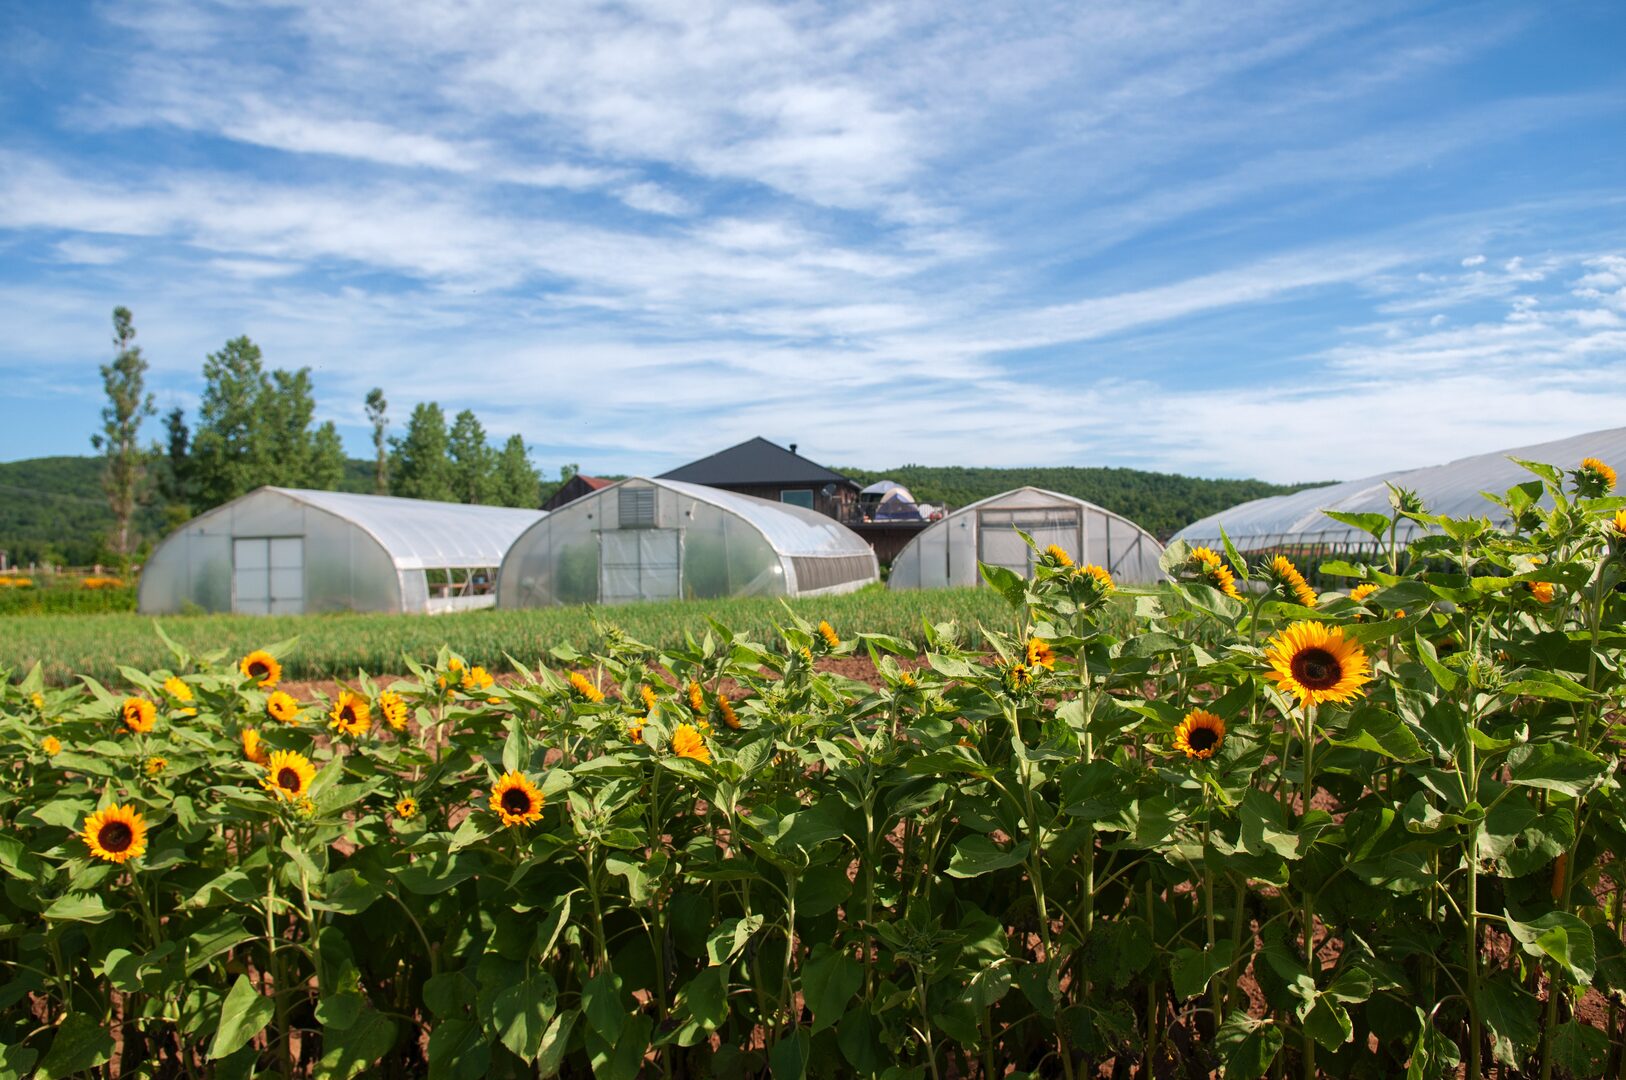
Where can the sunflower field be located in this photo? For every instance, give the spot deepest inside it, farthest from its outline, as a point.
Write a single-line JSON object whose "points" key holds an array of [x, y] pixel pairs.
{"points": [[1227, 826]]}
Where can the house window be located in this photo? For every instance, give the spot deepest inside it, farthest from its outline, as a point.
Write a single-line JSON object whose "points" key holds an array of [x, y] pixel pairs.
{"points": [[797, 497]]}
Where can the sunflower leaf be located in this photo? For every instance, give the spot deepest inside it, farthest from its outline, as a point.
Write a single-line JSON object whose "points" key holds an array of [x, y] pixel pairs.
{"points": [[243, 1015]]}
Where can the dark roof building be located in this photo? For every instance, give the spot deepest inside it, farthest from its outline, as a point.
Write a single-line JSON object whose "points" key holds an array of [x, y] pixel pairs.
{"points": [[769, 471], [573, 489]]}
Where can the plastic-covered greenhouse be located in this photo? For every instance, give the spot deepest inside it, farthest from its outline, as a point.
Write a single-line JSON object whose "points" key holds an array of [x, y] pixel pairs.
{"points": [[663, 539], [947, 553], [1297, 521], [278, 551]]}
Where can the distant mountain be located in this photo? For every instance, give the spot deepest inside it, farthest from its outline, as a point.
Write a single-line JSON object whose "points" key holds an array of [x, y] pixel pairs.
{"points": [[1160, 503]]}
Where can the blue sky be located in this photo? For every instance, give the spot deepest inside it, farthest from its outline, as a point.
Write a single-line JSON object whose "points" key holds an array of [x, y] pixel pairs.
{"points": [[1285, 240]]}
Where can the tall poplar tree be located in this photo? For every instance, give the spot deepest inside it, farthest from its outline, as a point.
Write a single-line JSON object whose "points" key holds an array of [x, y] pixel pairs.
{"points": [[124, 470], [378, 416]]}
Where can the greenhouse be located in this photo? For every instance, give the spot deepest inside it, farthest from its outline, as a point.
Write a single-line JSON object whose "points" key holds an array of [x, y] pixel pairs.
{"points": [[1298, 520], [281, 551], [947, 553], [665, 539]]}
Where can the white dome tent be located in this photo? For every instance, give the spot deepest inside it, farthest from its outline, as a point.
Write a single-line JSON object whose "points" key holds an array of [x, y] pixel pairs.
{"points": [[1455, 488], [284, 551], [643, 539], [946, 553]]}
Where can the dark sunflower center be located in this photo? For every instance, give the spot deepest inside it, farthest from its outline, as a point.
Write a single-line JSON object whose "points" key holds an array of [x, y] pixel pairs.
{"points": [[516, 801], [1202, 738], [1316, 669], [348, 714], [258, 669], [288, 779], [115, 837]]}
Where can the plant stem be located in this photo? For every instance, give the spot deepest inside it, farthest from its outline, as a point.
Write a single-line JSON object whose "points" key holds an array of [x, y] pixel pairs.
{"points": [[1307, 794], [1471, 914]]}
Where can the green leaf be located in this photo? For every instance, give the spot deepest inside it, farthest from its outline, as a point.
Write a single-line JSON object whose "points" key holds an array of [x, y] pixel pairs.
{"points": [[1329, 1024], [79, 907], [80, 1044], [17, 1062], [1509, 1013], [790, 1056], [978, 855], [1374, 525], [1193, 968], [706, 996], [243, 1015], [1580, 1049], [520, 1014], [725, 942], [1238, 563], [1247, 1046], [1562, 938], [555, 1041], [1556, 767], [1381, 732], [830, 978], [1008, 583], [353, 1051], [1431, 660], [437, 871], [601, 1004], [458, 1051]]}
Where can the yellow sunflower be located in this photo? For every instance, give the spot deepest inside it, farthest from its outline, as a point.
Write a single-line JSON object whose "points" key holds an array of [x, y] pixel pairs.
{"points": [[476, 679], [687, 742], [1317, 663], [650, 701], [635, 730], [262, 667], [807, 654], [138, 714], [51, 745], [697, 697], [828, 633], [516, 800], [116, 833], [282, 707], [1620, 522], [726, 708], [1058, 555], [351, 714], [1205, 556], [38, 699], [1200, 734], [252, 750], [1018, 677], [394, 710], [1361, 592], [1039, 654], [406, 807], [177, 689], [1598, 473], [289, 775], [1541, 590], [1294, 581], [154, 766], [1100, 574], [1221, 577], [584, 686]]}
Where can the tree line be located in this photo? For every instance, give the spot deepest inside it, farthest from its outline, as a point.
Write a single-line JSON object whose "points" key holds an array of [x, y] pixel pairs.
{"points": [[257, 426]]}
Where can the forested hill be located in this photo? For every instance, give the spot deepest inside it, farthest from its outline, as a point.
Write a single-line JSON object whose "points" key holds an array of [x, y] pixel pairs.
{"points": [[1161, 503], [53, 509]]}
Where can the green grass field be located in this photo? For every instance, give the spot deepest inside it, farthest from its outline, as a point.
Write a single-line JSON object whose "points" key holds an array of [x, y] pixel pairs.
{"points": [[337, 645]]}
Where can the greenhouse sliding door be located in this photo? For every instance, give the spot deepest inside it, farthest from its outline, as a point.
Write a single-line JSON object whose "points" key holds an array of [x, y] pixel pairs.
{"points": [[268, 575], [999, 545], [639, 564]]}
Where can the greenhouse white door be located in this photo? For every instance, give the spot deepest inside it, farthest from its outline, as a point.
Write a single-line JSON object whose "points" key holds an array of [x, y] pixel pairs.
{"points": [[999, 545], [639, 564], [268, 575]]}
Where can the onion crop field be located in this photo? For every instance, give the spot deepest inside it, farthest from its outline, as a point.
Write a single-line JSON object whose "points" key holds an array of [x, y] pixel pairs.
{"points": [[335, 646]]}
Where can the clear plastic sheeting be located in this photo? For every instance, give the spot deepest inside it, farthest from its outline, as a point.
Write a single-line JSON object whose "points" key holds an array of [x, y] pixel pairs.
{"points": [[288, 551], [947, 553], [666, 539], [1455, 488]]}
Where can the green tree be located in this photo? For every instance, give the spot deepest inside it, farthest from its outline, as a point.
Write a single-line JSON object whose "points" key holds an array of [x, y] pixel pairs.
{"points": [[287, 407], [124, 471], [325, 471], [515, 481], [472, 461], [377, 415], [419, 462], [230, 452], [175, 472]]}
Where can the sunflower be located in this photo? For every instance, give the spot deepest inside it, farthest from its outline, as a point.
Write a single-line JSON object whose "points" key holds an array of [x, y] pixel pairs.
{"points": [[351, 714], [51, 745], [116, 833], [138, 714], [289, 775], [906, 679], [393, 708], [1594, 474], [635, 730], [687, 742], [262, 667], [650, 701], [828, 633], [1205, 556], [38, 699], [1102, 578], [1200, 734], [1317, 663], [516, 800], [1058, 555], [175, 688], [282, 707], [1620, 522], [807, 655], [583, 686], [697, 697], [154, 766], [406, 807], [1018, 677], [1039, 654], [1361, 592], [1541, 590], [1292, 580], [251, 746], [1214, 571], [476, 679], [730, 717]]}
